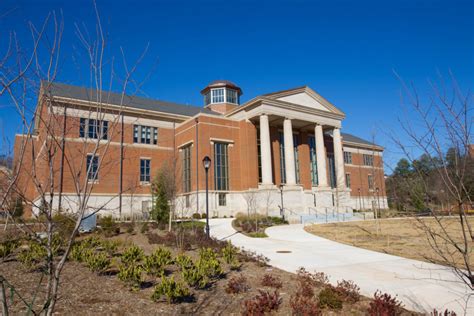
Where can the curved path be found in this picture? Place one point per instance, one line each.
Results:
(420, 286)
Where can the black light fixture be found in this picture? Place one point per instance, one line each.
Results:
(206, 162)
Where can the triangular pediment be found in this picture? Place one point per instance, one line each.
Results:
(306, 97)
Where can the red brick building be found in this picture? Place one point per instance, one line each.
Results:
(284, 145)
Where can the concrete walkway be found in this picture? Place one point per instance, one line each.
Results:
(420, 286)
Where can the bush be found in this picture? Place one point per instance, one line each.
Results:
(64, 224)
(195, 278)
(77, 252)
(304, 306)
(329, 298)
(197, 216)
(203, 215)
(129, 229)
(184, 261)
(229, 253)
(271, 281)
(108, 226)
(263, 302)
(7, 247)
(208, 264)
(132, 255)
(237, 284)
(33, 255)
(110, 246)
(348, 290)
(155, 263)
(174, 292)
(384, 305)
(131, 275)
(98, 263)
(317, 278)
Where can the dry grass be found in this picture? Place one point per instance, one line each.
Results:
(400, 237)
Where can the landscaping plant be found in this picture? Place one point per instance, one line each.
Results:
(384, 305)
(271, 281)
(237, 284)
(173, 291)
(329, 298)
(155, 263)
(264, 302)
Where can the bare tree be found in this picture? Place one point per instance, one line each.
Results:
(440, 130)
(42, 155)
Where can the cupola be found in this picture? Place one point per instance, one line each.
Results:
(221, 96)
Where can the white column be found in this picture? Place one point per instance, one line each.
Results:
(320, 156)
(265, 150)
(338, 158)
(289, 152)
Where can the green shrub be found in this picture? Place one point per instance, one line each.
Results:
(131, 275)
(33, 255)
(98, 262)
(108, 226)
(203, 215)
(155, 263)
(184, 261)
(195, 278)
(208, 264)
(329, 298)
(229, 253)
(132, 255)
(173, 291)
(257, 234)
(77, 252)
(196, 216)
(91, 242)
(110, 246)
(64, 224)
(7, 247)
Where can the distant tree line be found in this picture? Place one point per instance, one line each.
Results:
(416, 186)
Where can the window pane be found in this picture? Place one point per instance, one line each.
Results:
(312, 156)
(82, 127)
(135, 133)
(155, 135)
(105, 129)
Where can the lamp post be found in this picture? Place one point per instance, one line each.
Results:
(378, 200)
(206, 162)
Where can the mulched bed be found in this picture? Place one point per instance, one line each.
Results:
(85, 293)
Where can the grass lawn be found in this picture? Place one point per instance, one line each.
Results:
(400, 237)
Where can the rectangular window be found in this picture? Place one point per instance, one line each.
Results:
(221, 167)
(82, 127)
(370, 180)
(217, 95)
(91, 128)
(186, 160)
(348, 180)
(135, 133)
(231, 96)
(207, 98)
(143, 134)
(332, 169)
(145, 170)
(312, 159)
(282, 158)
(222, 199)
(368, 160)
(347, 157)
(92, 165)
(296, 142)
(259, 157)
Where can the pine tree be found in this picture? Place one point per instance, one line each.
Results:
(161, 208)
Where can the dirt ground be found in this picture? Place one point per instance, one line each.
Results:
(401, 237)
(83, 292)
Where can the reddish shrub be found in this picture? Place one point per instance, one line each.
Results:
(348, 291)
(304, 306)
(236, 285)
(384, 305)
(272, 281)
(317, 278)
(263, 302)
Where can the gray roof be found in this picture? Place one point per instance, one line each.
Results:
(354, 139)
(90, 95)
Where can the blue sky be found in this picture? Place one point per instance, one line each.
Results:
(345, 50)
